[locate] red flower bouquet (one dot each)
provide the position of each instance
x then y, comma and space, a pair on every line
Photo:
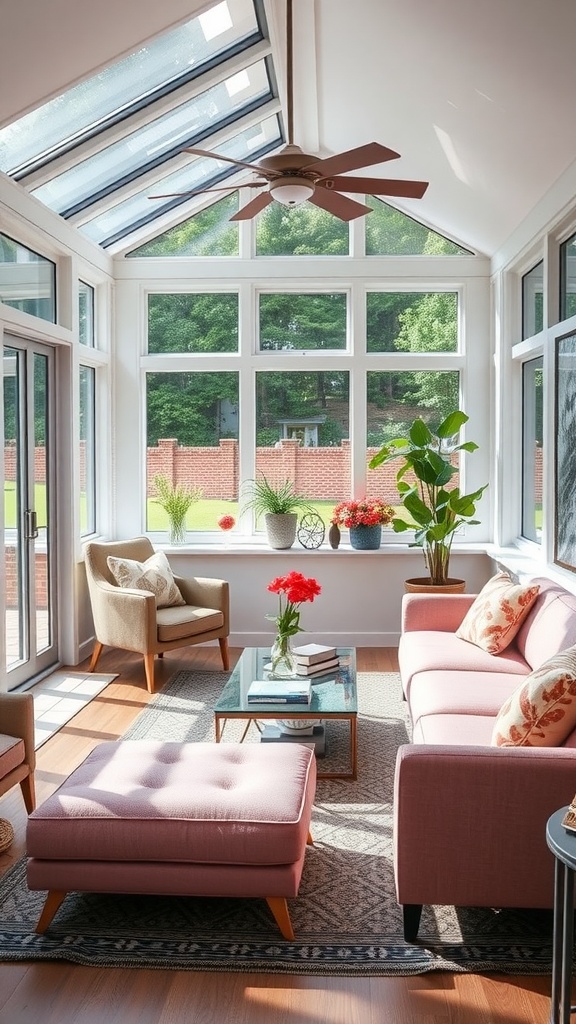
366, 512
293, 590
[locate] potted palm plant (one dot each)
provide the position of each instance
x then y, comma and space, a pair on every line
175, 499
278, 505
434, 510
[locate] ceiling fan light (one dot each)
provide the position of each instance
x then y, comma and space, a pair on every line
291, 191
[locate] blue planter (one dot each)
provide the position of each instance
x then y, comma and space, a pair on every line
365, 538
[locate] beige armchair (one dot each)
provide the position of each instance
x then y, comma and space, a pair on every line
17, 754
129, 619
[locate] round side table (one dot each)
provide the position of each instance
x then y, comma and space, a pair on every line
562, 843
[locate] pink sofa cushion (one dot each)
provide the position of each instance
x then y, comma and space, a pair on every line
461, 693
12, 754
550, 625
497, 613
541, 712
454, 730
428, 650
186, 802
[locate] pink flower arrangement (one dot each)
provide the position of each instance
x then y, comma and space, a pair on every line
293, 590
226, 522
366, 512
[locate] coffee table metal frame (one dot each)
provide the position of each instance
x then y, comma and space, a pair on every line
334, 696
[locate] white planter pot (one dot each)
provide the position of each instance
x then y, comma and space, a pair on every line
281, 529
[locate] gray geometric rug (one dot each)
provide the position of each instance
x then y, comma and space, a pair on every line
346, 919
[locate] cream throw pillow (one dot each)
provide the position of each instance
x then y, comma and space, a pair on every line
496, 615
154, 574
542, 710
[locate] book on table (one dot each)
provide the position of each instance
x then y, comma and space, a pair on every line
311, 654
280, 691
319, 668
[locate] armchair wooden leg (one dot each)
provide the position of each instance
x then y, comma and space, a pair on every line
223, 641
98, 648
28, 792
149, 670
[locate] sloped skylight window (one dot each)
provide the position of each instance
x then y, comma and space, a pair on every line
150, 145
96, 153
110, 225
158, 67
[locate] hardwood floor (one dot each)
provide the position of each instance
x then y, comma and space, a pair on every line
68, 994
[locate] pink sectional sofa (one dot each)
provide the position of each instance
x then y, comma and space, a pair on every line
470, 818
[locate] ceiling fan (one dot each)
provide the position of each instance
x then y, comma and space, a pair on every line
294, 177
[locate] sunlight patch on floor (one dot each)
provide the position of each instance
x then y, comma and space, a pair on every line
61, 696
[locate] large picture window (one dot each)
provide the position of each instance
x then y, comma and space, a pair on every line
302, 433
261, 368
192, 439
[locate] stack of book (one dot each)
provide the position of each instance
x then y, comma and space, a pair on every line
315, 659
280, 691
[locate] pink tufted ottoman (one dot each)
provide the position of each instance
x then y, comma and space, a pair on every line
193, 819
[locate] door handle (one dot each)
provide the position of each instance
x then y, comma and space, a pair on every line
31, 524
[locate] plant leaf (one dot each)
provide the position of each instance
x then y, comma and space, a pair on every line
452, 424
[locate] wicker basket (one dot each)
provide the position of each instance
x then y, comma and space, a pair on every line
6, 834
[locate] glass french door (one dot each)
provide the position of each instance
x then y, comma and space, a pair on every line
30, 612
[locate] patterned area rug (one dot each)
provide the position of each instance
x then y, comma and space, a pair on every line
346, 919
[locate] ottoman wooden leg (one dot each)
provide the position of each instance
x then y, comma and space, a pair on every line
53, 901
279, 908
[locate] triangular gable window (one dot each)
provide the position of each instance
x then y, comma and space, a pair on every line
390, 232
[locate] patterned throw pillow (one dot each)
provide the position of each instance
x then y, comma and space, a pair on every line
496, 615
154, 574
542, 710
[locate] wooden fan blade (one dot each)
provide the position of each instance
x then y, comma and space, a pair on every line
340, 206
362, 156
229, 160
253, 207
376, 186
201, 191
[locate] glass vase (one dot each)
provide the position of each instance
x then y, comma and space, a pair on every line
282, 665
177, 532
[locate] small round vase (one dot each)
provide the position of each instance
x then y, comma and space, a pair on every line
365, 538
282, 665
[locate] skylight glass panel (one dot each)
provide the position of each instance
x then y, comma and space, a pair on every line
117, 221
154, 69
97, 175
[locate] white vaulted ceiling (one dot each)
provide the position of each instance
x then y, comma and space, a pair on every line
477, 97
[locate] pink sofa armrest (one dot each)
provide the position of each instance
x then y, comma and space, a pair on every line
470, 823
443, 612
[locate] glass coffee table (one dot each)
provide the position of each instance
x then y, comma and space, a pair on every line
334, 696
